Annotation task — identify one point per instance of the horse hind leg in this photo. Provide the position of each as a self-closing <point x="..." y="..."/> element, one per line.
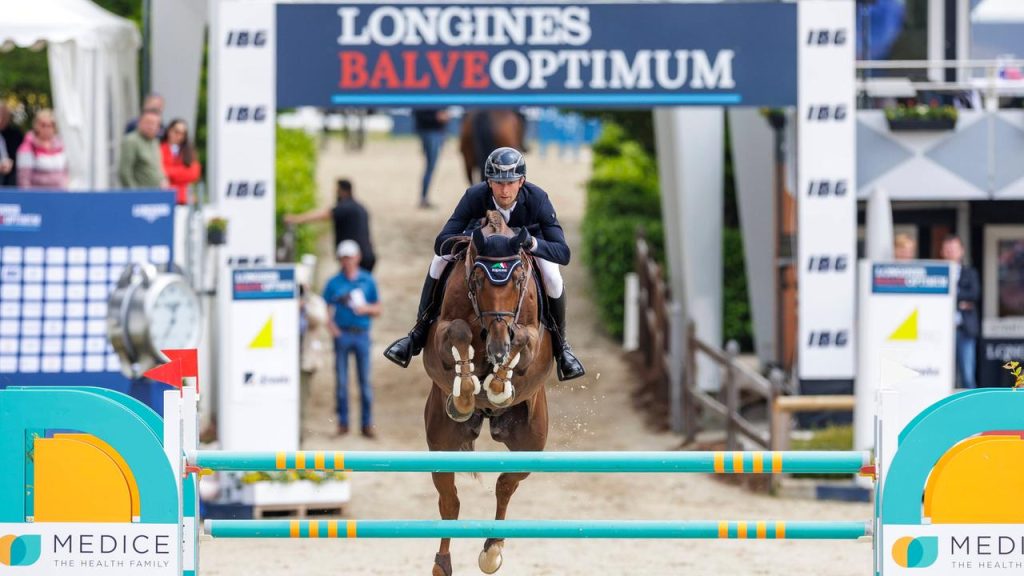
<point x="523" y="427"/>
<point x="448" y="504"/>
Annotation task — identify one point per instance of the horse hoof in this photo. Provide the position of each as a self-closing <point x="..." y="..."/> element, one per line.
<point x="490" y="558"/>
<point x="442" y="565"/>
<point x="453" y="413"/>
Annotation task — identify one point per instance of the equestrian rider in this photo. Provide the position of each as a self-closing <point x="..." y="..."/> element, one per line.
<point x="523" y="205"/>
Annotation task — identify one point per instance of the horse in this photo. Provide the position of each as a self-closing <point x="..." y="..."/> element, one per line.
<point x="484" y="130"/>
<point x="489" y="329"/>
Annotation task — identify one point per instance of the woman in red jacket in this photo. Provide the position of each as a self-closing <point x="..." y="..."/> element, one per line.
<point x="180" y="162"/>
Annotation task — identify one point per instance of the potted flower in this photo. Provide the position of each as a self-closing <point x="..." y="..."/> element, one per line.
<point x="216" y="231"/>
<point x="916" y="117"/>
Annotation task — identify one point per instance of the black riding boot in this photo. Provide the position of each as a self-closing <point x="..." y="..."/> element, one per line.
<point x="402" y="350"/>
<point x="569" y="366"/>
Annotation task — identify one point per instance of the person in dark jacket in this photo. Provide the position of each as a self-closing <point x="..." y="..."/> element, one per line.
<point x="431" y="124"/>
<point x="350" y="219"/>
<point x="523" y="205"/>
<point x="968" y="293"/>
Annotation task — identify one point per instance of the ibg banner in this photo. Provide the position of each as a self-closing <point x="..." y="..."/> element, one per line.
<point x="536" y="54"/>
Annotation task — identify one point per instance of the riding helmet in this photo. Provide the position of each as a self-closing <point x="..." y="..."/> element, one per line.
<point x="505" y="165"/>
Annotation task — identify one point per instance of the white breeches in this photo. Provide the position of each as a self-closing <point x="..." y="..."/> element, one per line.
<point x="550" y="274"/>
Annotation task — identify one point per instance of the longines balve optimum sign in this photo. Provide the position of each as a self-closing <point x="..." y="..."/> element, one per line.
<point x="267" y="55"/>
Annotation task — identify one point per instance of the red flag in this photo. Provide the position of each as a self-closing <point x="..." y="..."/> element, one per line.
<point x="183" y="364"/>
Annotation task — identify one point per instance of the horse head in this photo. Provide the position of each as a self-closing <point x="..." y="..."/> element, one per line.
<point x="497" y="276"/>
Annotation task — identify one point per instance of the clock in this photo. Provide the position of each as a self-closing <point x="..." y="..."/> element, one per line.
<point x="149" y="311"/>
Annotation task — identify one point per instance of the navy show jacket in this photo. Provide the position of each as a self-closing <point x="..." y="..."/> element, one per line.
<point x="533" y="209"/>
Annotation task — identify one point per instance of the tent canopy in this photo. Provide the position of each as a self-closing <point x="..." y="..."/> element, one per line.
<point x="998" y="12"/>
<point x="93" y="57"/>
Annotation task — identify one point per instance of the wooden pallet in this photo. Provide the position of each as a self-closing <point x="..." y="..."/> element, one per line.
<point x="317" y="510"/>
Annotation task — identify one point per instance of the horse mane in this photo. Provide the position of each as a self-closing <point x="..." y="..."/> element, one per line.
<point x="495" y="224"/>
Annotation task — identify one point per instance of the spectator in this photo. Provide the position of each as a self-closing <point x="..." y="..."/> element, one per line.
<point x="351" y="222"/>
<point x="6" y="162"/>
<point x="153" y="102"/>
<point x="140" y="165"/>
<point x="351" y="301"/>
<point x="41" y="159"/>
<point x="968" y="292"/>
<point x="430" y="126"/>
<point x="905" y="247"/>
<point x="11" y="138"/>
<point x="179" y="160"/>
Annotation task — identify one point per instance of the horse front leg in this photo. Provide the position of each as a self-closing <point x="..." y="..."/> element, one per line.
<point x="447" y="435"/>
<point x="525" y="429"/>
<point x="499" y="383"/>
<point x="455" y="347"/>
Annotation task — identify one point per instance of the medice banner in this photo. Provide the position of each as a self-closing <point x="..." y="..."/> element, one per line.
<point x="542" y="54"/>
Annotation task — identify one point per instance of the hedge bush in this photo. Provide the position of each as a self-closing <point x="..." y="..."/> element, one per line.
<point x="622" y="195"/>
<point x="296" y="185"/>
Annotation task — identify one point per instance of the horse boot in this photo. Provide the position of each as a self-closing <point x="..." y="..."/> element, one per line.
<point x="568" y="365"/>
<point x="402" y="350"/>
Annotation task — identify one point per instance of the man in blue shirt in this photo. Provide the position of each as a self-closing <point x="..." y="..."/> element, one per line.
<point x="352" y="300"/>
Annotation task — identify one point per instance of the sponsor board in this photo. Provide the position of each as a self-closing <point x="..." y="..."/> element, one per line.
<point x="953" y="550"/>
<point x="112" y="549"/>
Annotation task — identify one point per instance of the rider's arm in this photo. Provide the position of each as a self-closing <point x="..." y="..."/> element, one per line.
<point x="457" y="223"/>
<point x="551" y="245"/>
<point x="311" y="216"/>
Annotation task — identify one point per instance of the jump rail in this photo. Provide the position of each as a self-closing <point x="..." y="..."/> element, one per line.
<point x="619" y="529"/>
<point x="722" y="462"/>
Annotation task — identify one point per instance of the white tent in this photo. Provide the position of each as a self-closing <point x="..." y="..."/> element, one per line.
<point x="93" y="57"/>
<point x="998" y="12"/>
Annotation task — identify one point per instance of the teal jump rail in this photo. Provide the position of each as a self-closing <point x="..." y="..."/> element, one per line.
<point x="612" y="529"/>
<point x="721" y="462"/>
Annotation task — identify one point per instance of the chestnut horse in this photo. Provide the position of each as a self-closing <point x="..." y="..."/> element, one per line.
<point x="489" y="331"/>
<point x="484" y="130"/>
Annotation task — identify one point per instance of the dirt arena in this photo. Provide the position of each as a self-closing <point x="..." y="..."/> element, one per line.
<point x="592" y="413"/>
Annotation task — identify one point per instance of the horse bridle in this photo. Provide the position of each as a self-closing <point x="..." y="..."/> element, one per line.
<point x="499" y="315"/>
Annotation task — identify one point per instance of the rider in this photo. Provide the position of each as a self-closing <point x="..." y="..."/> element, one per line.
<point x="522" y="204"/>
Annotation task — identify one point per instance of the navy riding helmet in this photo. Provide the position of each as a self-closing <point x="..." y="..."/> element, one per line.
<point x="505" y="165"/>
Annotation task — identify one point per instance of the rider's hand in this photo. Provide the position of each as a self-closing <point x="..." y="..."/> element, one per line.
<point x="526" y="240"/>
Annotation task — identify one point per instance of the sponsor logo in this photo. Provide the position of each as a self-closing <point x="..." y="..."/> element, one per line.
<point x="920" y="552"/>
<point x="558" y="38"/>
<point x="151" y="212"/>
<point x="19" y="550"/>
<point x="13" y="219"/>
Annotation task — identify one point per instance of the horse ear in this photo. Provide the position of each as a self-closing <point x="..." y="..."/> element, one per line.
<point x="478" y="240"/>
<point x="523" y="237"/>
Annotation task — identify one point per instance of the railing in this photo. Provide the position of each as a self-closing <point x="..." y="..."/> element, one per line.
<point x="736" y="378"/>
<point x="684" y="406"/>
<point x="989" y="84"/>
<point x="654" y="393"/>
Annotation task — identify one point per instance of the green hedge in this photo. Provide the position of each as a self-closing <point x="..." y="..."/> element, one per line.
<point x="622" y="195"/>
<point x="296" y="185"/>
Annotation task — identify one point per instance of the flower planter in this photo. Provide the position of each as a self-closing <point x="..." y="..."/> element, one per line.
<point x="216" y="237"/>
<point x="297" y="492"/>
<point x="921" y="125"/>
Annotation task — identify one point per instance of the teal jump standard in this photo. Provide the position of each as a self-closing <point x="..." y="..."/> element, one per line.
<point x="721" y="462"/>
<point x="619" y="529"/>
